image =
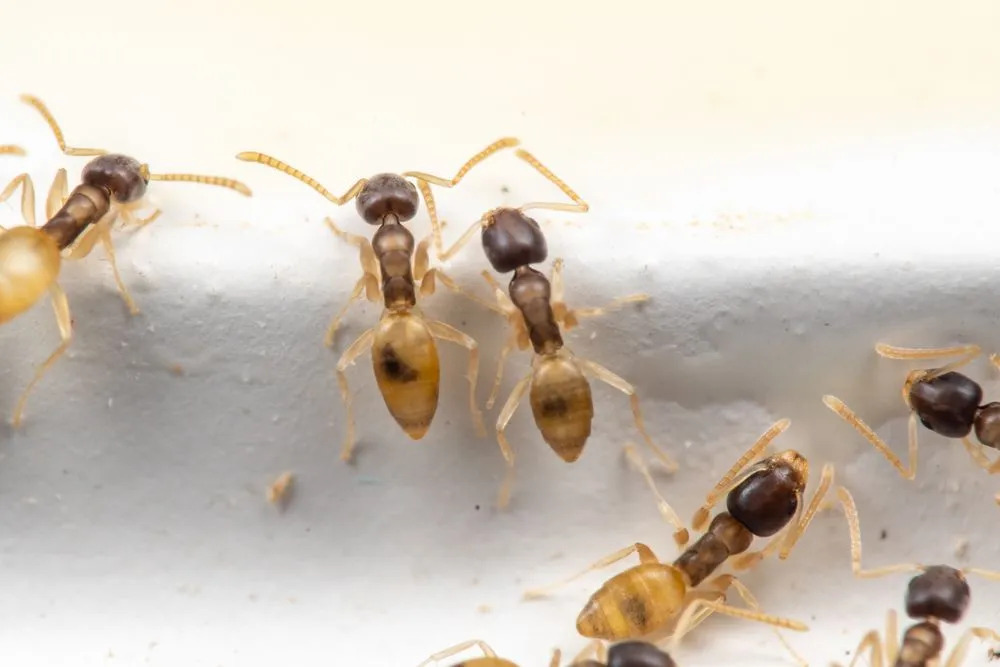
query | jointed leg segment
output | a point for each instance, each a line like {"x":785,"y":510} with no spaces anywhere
{"x":645,"y":554}
{"x":356,"y":349}
{"x":458,"y":648}
{"x":27,"y":196}
{"x":453,"y":335}
{"x":65,"y":321}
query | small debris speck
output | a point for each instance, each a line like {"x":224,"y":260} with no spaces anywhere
{"x":279,"y":492}
{"x":504,"y":189}
{"x":884,"y":534}
{"x":477,"y":508}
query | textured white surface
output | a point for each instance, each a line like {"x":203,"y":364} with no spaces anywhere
{"x":791,"y":184}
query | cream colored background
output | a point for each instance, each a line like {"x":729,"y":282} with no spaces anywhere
{"x":790,"y":181}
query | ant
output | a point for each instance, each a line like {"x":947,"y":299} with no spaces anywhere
{"x":404,"y":355}
{"x":557,"y":386}
{"x":658,"y":599}
{"x":938,"y":593}
{"x":112,"y":186}
{"x":624,"y":654}
{"x":944,"y":401}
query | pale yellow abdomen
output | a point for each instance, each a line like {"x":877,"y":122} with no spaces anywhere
{"x":562,"y":405}
{"x":405,"y":360}
{"x":29,"y":264}
{"x":634,"y":603}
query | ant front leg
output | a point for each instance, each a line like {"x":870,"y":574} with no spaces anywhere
{"x":64,"y":319}
{"x":733,"y":476}
{"x":570,"y":317}
{"x":957,"y":656}
{"x":58,"y":193}
{"x":428,"y":278}
{"x":681,"y":535}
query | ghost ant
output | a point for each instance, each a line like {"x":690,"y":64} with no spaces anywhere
{"x":938,"y":593}
{"x":112,"y":186}
{"x":655,"y":599}
{"x":404,"y":355}
{"x":944,"y":401}
{"x":624,"y":654}
{"x":558,"y":390}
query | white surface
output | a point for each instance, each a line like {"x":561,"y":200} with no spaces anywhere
{"x":791,"y":184}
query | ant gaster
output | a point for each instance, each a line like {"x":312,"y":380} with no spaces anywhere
{"x":112,"y":186}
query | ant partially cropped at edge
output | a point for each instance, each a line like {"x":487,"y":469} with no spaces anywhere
{"x":113,"y":186}
{"x":938,"y":593}
{"x":944,"y":401}
{"x":534,"y":307}
{"x":624,"y":654}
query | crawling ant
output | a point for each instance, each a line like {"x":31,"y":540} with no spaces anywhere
{"x":944,"y":401}
{"x":113,"y":186}
{"x":537,"y":315}
{"x":404,"y":355}
{"x":624,"y":654}
{"x":657,"y":599}
{"x":939,"y":593}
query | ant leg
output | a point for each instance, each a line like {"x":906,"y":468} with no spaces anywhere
{"x":595,"y":650}
{"x":579,"y":206}
{"x":692,"y":610}
{"x":681,"y":535}
{"x":907,"y":472}
{"x":505,"y":351}
{"x":979,"y":458}
{"x":54,"y":126}
{"x":65,"y":321}
{"x":962,"y":647}
{"x":361,"y":345}
{"x":423,"y":179}
{"x":606,"y":376}
{"x":104,"y":233}
{"x":515,"y":398}
{"x":995,"y":360}
{"x":10,"y":149}
{"x":462,"y":241}
{"x":645,"y":554}
{"x":790,"y":535}
{"x":428,"y":278}
{"x":131,"y":219}
{"x":730,"y":479}
{"x":369,"y":263}
{"x":854,"y":525}
{"x":871,"y":643}
{"x":360,"y":287}
{"x":889,"y":641}
{"x":58,"y":193}
{"x":967,"y":352}
{"x":27,"y":196}
{"x":458,"y":648}
{"x":748,"y":598}
{"x":453,"y":335}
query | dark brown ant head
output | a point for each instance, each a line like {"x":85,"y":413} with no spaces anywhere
{"x":387,"y":194}
{"x":638,"y":654}
{"x":946,"y":404}
{"x":124,"y":177}
{"x":769,"y":497}
{"x":939,"y":592}
{"x":988,"y":425}
{"x":512,"y":239}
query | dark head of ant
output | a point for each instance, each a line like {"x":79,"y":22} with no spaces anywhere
{"x":387,"y":196}
{"x":767,"y":499}
{"x":122,"y":177}
{"x":939,"y":592}
{"x":631,"y":654}
{"x":950,"y":404}
{"x":511,"y":240}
